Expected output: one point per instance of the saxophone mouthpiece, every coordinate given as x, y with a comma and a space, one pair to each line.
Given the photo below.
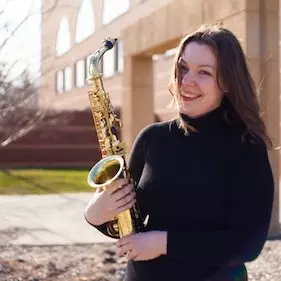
109, 43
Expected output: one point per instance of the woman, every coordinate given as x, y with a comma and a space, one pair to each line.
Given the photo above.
203, 179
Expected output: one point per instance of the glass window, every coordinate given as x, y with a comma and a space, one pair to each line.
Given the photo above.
156, 57
67, 79
113, 9
63, 43
108, 65
120, 57
80, 73
59, 81
171, 52
85, 21
87, 67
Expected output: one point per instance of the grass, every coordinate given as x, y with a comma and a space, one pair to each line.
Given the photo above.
43, 181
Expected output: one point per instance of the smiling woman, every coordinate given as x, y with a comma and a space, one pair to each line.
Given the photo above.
210, 64
196, 175
199, 91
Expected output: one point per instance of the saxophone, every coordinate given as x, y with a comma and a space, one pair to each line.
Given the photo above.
112, 165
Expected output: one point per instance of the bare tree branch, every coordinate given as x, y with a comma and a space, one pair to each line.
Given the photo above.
4, 7
14, 31
19, 110
29, 14
31, 124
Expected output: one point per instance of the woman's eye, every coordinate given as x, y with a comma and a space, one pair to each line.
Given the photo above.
204, 72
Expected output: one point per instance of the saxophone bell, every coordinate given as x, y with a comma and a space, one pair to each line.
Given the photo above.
106, 171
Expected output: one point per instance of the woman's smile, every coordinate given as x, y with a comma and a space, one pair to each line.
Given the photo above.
189, 97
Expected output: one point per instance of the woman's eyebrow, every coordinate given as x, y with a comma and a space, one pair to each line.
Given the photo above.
182, 61
206, 65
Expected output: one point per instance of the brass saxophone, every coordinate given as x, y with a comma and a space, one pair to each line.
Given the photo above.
113, 151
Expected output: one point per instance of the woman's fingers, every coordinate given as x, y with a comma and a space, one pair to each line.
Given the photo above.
111, 188
122, 192
126, 199
124, 248
125, 207
132, 254
127, 251
120, 195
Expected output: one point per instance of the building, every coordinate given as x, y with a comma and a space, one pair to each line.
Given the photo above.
147, 32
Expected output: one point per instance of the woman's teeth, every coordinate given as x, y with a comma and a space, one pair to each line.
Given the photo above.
191, 96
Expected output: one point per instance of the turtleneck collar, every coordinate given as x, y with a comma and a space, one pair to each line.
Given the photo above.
209, 121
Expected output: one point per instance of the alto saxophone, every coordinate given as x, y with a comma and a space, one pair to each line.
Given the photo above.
112, 165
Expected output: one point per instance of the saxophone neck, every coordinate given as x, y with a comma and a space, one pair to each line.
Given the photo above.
94, 60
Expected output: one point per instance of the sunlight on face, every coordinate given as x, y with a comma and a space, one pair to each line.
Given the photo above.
199, 90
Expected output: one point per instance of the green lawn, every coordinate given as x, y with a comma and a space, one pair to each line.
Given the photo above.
43, 181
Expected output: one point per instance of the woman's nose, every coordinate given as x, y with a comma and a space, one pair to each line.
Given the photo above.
188, 79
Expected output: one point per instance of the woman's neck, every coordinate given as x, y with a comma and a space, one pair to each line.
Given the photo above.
207, 121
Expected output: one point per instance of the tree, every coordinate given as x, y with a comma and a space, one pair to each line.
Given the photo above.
19, 111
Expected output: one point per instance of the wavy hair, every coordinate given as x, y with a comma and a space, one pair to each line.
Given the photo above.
232, 72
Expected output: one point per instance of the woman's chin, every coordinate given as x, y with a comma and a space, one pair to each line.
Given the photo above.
189, 112
192, 110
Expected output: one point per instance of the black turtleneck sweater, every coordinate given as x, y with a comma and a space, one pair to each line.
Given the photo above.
210, 190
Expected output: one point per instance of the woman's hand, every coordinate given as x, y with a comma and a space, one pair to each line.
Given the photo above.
143, 246
106, 204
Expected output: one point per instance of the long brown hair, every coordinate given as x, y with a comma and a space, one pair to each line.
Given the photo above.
232, 72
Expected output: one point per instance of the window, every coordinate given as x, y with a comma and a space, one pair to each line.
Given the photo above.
108, 65
156, 57
85, 25
120, 58
87, 74
80, 73
171, 52
113, 9
63, 43
67, 79
59, 82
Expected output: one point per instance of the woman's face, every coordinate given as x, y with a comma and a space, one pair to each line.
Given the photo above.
199, 90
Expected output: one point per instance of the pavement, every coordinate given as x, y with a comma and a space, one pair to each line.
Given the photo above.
56, 219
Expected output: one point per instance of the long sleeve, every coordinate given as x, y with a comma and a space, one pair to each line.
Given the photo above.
250, 200
103, 228
137, 161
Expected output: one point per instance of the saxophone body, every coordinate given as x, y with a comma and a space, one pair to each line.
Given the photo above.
112, 164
